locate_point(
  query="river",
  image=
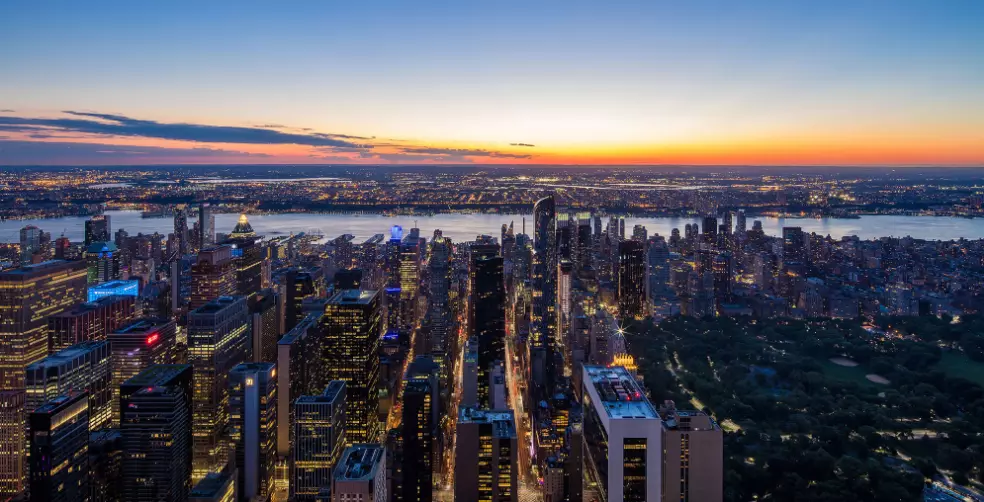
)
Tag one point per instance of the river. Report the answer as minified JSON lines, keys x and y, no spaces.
{"x":461,"y":227}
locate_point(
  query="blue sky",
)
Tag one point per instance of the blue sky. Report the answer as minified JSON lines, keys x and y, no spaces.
{"x":581,"y":80}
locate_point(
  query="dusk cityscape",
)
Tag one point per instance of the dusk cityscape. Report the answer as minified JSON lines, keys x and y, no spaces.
{"x":492,"y":252}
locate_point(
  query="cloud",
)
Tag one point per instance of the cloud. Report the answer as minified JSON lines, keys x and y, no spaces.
{"x":6,"y":110}
{"x":14,"y":152}
{"x":522,"y":144}
{"x":121,"y":125}
{"x":462,"y":152}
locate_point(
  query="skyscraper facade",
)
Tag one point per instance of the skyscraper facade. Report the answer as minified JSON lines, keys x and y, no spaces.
{"x":92,"y":320}
{"x":82,"y":368}
{"x":253,"y":427}
{"x":486,"y":456}
{"x":28,"y":295}
{"x":632,"y":279}
{"x":136,"y":347}
{"x":488,"y":322}
{"x":218,"y":340}
{"x":156,"y":430}
{"x":622,"y":437}
{"x":299,"y":354}
{"x":351,"y":327}
{"x":213,"y":274}
{"x":59,"y":445}
{"x":318,"y":440}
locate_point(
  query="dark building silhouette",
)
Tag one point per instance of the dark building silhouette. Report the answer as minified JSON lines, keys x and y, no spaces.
{"x":156,"y":430}
{"x":420,"y":406}
{"x":488,"y":318}
{"x":59,"y":445}
{"x":632,"y":279}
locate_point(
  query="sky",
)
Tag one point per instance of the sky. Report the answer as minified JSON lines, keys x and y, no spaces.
{"x":840,"y":82}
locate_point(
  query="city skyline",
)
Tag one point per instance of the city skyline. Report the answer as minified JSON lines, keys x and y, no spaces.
{"x":709,"y":83}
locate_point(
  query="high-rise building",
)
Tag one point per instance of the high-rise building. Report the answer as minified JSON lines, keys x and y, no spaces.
{"x":156,"y":431}
{"x":206,"y":225}
{"x":80,"y":368}
{"x":248,"y":257}
{"x":212,"y":275}
{"x":253,"y":426}
{"x":420,"y":429}
{"x":136,"y":347}
{"x":351,"y":327}
{"x":13,"y":422}
{"x":59,"y":445}
{"x":28,"y":295}
{"x":693,"y":458}
{"x":97,"y":229}
{"x":622,"y":437}
{"x":30,"y":243}
{"x":369,"y":261}
{"x":486,"y":456}
{"x":102,"y":261}
{"x":218,"y":340}
{"x":360,"y":475}
{"x":488,"y":321}
{"x":709,"y":227}
{"x":793,"y":245}
{"x":632,"y":279}
{"x":299,"y":354}
{"x":301,"y":284}
{"x":740,"y":223}
{"x":215,"y":487}
{"x":318,"y":440}
{"x":105,"y":465}
{"x":89,"y":321}
{"x":181,"y":229}
{"x":265,"y":313}
{"x":543,"y":321}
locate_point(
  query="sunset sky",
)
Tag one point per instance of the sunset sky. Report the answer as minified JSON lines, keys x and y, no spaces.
{"x":853,"y":82}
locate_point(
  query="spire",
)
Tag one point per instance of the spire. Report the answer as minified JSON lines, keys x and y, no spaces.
{"x":243,"y":228}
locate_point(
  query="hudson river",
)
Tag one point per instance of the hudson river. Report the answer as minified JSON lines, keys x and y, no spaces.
{"x":461,"y":227}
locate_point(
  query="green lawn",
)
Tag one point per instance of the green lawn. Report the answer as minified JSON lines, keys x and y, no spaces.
{"x":957,"y":365}
{"x":854,"y":374}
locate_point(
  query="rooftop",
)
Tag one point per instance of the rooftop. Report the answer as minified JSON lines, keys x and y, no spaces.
{"x":37,"y":268}
{"x":68,"y":354}
{"x":158,"y":374}
{"x":352,"y":297}
{"x":216,"y":305}
{"x":141,"y":326}
{"x":621,"y":396}
{"x":503,"y":421}
{"x":329,"y":395}
{"x":359,"y":462}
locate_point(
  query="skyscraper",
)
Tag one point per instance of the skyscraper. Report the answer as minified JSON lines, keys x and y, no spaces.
{"x":420,"y":428}
{"x":206,"y":225}
{"x":622,"y":437}
{"x":218,"y":340}
{"x":301,"y":284}
{"x":265,"y":315}
{"x":82,"y":368}
{"x":181,"y":229}
{"x":102,"y":261}
{"x":28,"y":295}
{"x":488,"y":323}
{"x":351,"y":327}
{"x":253,"y":426}
{"x":709,"y":227}
{"x":30,"y":242}
{"x":318,"y":440}
{"x":89,"y":321}
{"x":299,"y":354}
{"x":59,"y":443}
{"x":156,"y":431}
{"x":106,"y":465}
{"x":213,"y":274}
{"x":632,"y":279}
{"x":543,"y":322}
{"x":361,"y":474}
{"x":793,"y":245}
{"x":693,"y":455}
{"x":248,"y":257}
{"x":136,"y":347}
{"x":97,"y":229}
{"x":486,"y":456}
{"x":13,"y":421}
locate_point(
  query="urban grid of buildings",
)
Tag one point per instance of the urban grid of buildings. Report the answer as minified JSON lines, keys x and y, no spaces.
{"x":202,"y":365}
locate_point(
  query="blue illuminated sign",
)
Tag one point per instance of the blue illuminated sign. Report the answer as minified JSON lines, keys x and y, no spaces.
{"x":396,"y":233}
{"x":118,"y":288}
